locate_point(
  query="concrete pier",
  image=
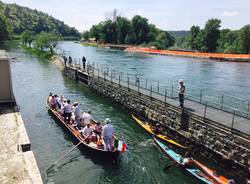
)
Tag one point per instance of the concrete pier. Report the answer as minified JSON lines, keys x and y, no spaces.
{"x":17,"y":162}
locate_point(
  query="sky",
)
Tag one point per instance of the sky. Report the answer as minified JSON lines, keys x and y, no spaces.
{"x":165,"y":14}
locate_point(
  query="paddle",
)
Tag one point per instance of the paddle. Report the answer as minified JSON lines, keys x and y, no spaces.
{"x":35,"y":114}
{"x":63,"y":156}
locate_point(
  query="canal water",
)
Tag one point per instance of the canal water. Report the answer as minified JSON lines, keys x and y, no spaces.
{"x":34,"y":78}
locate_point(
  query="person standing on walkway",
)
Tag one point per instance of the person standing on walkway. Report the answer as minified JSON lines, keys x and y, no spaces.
{"x":65,"y":60}
{"x":181,"y":92}
{"x":83,"y":62}
{"x":70,"y":60}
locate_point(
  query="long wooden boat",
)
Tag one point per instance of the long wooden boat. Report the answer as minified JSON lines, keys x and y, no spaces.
{"x":149,"y":129}
{"x":194,"y":167}
{"x":90,"y":146}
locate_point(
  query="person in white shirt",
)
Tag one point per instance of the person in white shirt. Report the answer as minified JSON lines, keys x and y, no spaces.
{"x":87,"y":132}
{"x":181,"y":92}
{"x":77,"y":113}
{"x":108,"y":133}
{"x":86,"y":118}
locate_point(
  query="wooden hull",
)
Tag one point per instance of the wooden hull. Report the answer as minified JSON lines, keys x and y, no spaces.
{"x":177,"y":159}
{"x":148,"y":128}
{"x":77,"y":137}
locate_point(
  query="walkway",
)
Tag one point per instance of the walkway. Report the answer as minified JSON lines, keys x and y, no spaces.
{"x":229,"y":120}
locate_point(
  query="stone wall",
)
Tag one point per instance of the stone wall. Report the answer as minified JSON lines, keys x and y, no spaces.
{"x":204,"y":137}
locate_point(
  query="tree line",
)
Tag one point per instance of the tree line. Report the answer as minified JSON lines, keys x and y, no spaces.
{"x":137,"y":31}
{"x":15,"y":19}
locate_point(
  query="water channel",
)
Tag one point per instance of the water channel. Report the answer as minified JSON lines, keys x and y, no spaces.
{"x":34,"y":78}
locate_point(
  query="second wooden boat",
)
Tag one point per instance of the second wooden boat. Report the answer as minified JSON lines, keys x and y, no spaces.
{"x":192,"y":166}
{"x":149,"y":129}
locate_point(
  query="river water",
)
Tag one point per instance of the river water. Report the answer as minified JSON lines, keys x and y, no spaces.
{"x":33,"y":78}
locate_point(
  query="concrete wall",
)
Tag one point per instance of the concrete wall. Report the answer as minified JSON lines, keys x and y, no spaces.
{"x":6,"y":94}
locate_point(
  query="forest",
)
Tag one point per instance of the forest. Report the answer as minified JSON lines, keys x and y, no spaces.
{"x":15,"y":19}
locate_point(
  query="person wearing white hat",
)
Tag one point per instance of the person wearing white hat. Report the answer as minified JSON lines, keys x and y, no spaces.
{"x":108,"y":133}
{"x":181,"y":92}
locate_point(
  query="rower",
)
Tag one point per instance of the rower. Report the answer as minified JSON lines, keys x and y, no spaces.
{"x":86,"y":118}
{"x":67,"y":111}
{"x":77,"y":113}
{"x":98,"y":129}
{"x":108,"y":133}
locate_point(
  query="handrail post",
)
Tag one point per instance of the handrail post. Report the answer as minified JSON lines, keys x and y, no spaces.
{"x":233,"y":120}
{"x":158,"y":86}
{"x":205,"y":110}
{"x":119,"y":80}
{"x":165,"y":98}
{"x":172,"y":92}
{"x":102,"y":69}
{"x":111,"y":77}
{"x":248,"y":108}
{"x":146,"y":83}
{"x":138,"y":86}
{"x":98,"y":73}
{"x":200,"y":95}
{"x":222,"y":100}
{"x":128,"y":82}
{"x":151,"y":91}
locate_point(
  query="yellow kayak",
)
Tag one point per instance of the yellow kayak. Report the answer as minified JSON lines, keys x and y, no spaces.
{"x":148,"y":128}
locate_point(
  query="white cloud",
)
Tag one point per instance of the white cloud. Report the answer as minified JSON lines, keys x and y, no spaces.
{"x":230,"y":13}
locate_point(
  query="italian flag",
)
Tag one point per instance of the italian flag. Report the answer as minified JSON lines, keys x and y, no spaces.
{"x":122,"y":146}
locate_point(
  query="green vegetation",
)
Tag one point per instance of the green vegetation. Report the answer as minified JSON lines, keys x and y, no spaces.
{"x":43,"y":44}
{"x":19,"y":19}
{"x":120,"y":30}
{"x":212,"y":39}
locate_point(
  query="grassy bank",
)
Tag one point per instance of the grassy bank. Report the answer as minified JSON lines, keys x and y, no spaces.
{"x":41,"y":54}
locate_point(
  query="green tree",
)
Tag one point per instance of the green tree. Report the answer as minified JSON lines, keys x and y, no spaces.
{"x":124,"y":28}
{"x":46,"y":41}
{"x":52,"y":41}
{"x":86,"y":35}
{"x":153,"y":33}
{"x":4,"y":34}
{"x":141,"y":29}
{"x":27,"y":38}
{"x":211,"y":35}
{"x":164,"y":40}
{"x":244,"y":39}
{"x":194,"y":38}
{"x":96,"y":31}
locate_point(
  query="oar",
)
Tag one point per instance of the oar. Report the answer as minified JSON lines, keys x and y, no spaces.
{"x":35,"y":114}
{"x":68,"y":152}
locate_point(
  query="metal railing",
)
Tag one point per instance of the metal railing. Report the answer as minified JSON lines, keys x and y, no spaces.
{"x":153,"y":88}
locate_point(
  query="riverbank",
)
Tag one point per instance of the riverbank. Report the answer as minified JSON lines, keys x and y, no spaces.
{"x":214,"y":56}
{"x":190,"y":54}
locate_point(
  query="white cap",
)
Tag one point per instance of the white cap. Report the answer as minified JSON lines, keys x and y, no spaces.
{"x":107,"y":120}
{"x":181,"y":81}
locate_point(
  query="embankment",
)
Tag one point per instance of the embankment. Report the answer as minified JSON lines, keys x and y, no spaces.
{"x":214,"y":56}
